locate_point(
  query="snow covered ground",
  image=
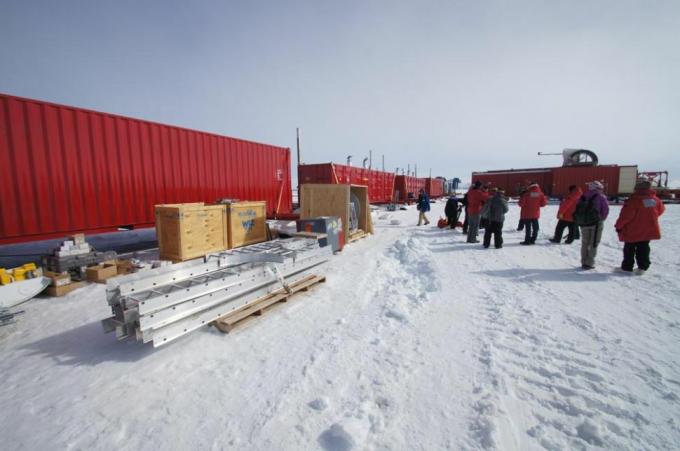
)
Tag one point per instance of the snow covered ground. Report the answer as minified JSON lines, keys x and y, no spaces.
{"x":417,"y":341}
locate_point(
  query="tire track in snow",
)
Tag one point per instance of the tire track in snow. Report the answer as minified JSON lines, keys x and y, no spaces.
{"x":541,"y":389}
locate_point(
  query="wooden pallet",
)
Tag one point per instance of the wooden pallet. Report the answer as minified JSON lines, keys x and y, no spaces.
{"x":357,"y":235}
{"x":226,"y":323}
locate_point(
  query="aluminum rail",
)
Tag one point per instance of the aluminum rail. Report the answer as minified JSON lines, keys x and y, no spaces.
{"x":165,"y":303}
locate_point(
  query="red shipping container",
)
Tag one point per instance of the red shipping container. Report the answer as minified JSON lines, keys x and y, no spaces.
{"x":434,"y":187}
{"x":380,"y":184}
{"x":511,"y":180}
{"x":405,"y":185}
{"x":65,"y":170}
{"x":617,"y":180}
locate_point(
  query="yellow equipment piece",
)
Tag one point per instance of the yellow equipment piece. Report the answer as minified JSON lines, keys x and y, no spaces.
{"x":5,"y":278}
{"x":23,"y":272}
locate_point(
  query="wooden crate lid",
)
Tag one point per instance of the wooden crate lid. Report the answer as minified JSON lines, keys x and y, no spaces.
{"x":259,"y":203}
{"x":189,"y":206}
{"x":247,"y":203}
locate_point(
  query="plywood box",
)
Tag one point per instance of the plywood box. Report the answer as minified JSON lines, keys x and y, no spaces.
{"x":246,"y":223}
{"x":187,"y":231}
{"x":334,"y":200}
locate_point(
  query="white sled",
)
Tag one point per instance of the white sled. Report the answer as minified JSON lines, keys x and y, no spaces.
{"x":16,"y":293}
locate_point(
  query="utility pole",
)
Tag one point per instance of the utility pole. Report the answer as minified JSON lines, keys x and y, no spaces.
{"x":416,"y":169}
{"x":408,"y":169}
{"x":297,"y":139}
{"x":370,"y":159}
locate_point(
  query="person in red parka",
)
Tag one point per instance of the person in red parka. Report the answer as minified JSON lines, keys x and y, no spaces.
{"x":475,"y":199}
{"x":565,"y":216}
{"x":638,"y":224}
{"x":531,"y":202}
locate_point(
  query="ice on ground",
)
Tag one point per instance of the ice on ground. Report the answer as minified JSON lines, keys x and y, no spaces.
{"x":418,"y":340}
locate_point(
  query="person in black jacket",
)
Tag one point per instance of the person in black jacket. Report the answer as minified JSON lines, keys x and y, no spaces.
{"x":464,"y":203}
{"x":452,"y":211}
{"x":494,"y":210}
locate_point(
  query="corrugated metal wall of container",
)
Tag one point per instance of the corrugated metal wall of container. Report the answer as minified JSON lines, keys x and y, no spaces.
{"x":434,"y":187}
{"x":405,"y":184}
{"x":512,"y":180}
{"x":380,"y":184}
{"x":67,"y":170}
{"x":566,"y":176}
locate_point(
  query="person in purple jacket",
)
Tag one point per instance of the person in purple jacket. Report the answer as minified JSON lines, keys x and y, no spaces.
{"x":591,"y":211}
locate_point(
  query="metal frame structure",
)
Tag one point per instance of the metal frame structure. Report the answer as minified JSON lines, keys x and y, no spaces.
{"x":163,"y":304}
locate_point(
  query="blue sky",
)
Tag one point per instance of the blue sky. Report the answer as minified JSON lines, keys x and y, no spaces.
{"x":451,"y":86}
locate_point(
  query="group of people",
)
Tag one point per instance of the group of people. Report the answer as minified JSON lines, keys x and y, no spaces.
{"x":581,"y":214}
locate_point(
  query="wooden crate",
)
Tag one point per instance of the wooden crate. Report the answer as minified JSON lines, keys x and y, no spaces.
{"x":246,"y":223}
{"x":187,"y":231}
{"x":318,"y":199}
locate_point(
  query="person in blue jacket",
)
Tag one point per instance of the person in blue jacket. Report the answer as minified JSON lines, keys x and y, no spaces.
{"x":423,"y":207}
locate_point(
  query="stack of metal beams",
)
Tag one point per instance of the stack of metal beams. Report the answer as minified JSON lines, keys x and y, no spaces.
{"x":165,"y":303}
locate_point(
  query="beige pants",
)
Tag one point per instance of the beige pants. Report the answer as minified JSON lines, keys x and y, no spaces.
{"x":422,"y":217}
{"x":590,"y":238}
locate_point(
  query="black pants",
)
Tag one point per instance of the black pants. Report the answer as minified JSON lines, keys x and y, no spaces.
{"x":530,"y":230}
{"x":559,"y":230}
{"x":635,"y":252}
{"x":496,"y":229}
{"x":452,"y":221}
{"x":520,"y":225}
{"x":465,"y":222}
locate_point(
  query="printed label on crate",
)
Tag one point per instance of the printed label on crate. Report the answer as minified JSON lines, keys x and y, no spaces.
{"x":248,"y":225}
{"x":248,"y":213}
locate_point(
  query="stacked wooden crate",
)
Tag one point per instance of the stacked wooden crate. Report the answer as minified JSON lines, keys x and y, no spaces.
{"x":187,"y":231}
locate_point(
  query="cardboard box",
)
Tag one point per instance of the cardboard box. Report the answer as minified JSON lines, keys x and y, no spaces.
{"x":63,"y":290}
{"x":101,"y":272}
{"x":58,"y":279}
{"x":125,"y":267}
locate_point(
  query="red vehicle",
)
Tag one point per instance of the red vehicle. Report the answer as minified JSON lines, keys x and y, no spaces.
{"x":555,"y":182}
{"x":617,"y":180}
{"x":512,"y":181}
{"x":65,"y":170}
